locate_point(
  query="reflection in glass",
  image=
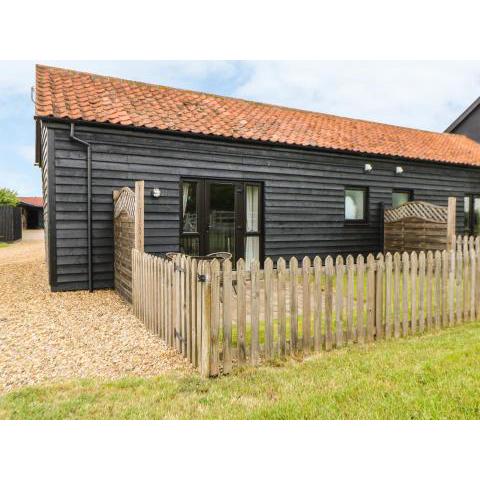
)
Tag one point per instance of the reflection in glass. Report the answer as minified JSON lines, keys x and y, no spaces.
{"x":252,"y":192}
{"x":221,"y":219}
{"x":190,"y":207}
{"x":467,"y":227}
{"x":354,"y":204}
{"x":399,"y":198}
{"x":476,"y":216}
{"x":189,"y":245}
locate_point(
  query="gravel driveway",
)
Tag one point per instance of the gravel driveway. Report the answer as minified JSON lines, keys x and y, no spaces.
{"x":46,"y":337}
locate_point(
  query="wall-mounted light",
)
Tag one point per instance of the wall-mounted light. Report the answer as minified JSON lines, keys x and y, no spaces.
{"x":398,"y":170}
{"x":368,"y":168}
{"x":156,"y":192}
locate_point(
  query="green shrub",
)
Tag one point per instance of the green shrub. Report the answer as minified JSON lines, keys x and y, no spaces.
{"x":8,"y":197}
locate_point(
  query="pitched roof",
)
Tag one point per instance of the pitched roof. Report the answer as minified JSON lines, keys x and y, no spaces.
{"x":68,"y":94}
{"x":463,"y":116}
{"x":33,"y":201}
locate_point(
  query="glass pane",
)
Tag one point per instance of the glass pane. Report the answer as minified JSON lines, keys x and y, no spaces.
{"x":252,"y":192}
{"x":466,"y":215}
{"x":476,"y":216}
{"x":354,"y":204}
{"x":252,"y":250}
{"x":399,"y":198}
{"x":221,"y":219}
{"x":189,"y":245}
{"x":190,"y":207}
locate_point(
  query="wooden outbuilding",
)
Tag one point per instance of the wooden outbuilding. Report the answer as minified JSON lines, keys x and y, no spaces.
{"x":32,"y":212}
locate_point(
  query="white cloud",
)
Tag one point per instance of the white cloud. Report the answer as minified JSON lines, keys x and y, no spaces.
{"x":426,"y":95}
{"x":26,"y":183}
{"x":27,"y":152}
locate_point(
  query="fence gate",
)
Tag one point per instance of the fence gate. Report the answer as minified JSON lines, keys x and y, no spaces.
{"x":417,"y":226}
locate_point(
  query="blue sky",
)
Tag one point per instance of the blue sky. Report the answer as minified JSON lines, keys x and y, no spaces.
{"x":426,"y":95}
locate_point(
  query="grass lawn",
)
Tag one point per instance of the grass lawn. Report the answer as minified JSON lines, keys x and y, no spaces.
{"x":436,"y":376}
{"x":3,"y":244}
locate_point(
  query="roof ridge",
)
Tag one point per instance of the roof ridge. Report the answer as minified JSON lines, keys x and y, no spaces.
{"x":237,"y":99}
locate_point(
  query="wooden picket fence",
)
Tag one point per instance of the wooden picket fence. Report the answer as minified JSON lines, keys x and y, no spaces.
{"x":218,"y":317}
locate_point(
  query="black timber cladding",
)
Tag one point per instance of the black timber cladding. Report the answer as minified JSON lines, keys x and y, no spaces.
{"x":303,"y":193}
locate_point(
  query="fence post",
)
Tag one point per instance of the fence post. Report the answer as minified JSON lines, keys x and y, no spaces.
{"x":206,"y":299}
{"x":451,"y":222}
{"x":139,"y":214}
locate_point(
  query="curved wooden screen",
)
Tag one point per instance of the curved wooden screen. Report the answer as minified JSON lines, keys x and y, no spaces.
{"x":417,"y":226}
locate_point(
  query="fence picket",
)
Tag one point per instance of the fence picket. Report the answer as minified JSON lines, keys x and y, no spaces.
{"x":360,"y":299}
{"x":293,"y":264}
{"x":396,"y":294}
{"x":429,"y":289}
{"x":388,"y":295}
{"x":215,"y":316}
{"x":206,"y":303}
{"x":466,"y":268}
{"x":380,"y":267}
{"x":268,"y":292}
{"x":405,"y":277}
{"x":200,"y":292}
{"x":339,"y":270}
{"x":350,"y":297}
{"x":459,"y":289}
{"x":254,"y":313}
{"x":370,"y":297}
{"x":413,"y":292}
{"x":451,"y":287}
{"x":473,"y":281}
{"x":421,"y":292}
{"x":317,"y":314}
{"x":241,"y":312}
{"x":477,"y":276}
{"x":193,"y":311}
{"x":329,"y":274}
{"x":282,"y":323}
{"x":227,"y":316}
{"x":306,"y":318}
{"x":444,"y":288}
{"x":438,"y":289}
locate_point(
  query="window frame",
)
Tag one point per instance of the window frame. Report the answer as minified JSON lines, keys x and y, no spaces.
{"x":408,"y":191}
{"x":366,"y":203}
{"x":240,"y":211}
{"x":196,"y":234}
{"x":259,"y":233}
{"x":472,"y":197}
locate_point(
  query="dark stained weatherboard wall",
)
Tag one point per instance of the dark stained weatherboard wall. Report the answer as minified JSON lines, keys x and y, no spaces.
{"x":470,"y":125}
{"x":303,"y":193}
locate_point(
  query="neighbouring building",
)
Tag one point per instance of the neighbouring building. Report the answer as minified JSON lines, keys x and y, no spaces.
{"x":32,"y":212}
{"x":254,"y":179}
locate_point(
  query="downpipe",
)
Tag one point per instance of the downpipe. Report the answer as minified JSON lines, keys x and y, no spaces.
{"x":89,"y":202}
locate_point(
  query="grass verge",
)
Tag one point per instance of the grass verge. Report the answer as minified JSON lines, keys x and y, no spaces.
{"x":431,"y":377}
{"x":3,"y":244}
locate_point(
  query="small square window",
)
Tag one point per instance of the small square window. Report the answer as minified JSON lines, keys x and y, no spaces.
{"x":399,"y":197}
{"x":355,"y":204}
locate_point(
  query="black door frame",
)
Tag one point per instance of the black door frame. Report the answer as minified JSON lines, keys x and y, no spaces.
{"x":202,"y":193}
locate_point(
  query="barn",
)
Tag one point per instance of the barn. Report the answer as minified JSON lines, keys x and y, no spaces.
{"x":32,"y":212}
{"x":224,"y":174}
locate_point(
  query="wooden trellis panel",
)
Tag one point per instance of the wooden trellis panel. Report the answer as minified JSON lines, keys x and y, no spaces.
{"x":417,"y":226}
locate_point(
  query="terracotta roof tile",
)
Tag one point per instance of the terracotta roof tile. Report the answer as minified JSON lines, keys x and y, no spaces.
{"x":75,"y":95}
{"x":34,"y":201}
